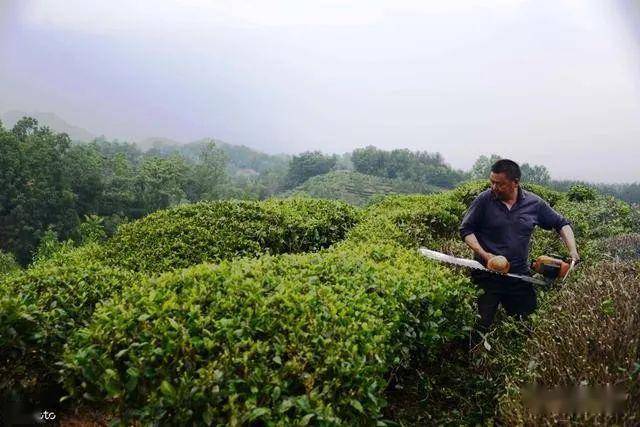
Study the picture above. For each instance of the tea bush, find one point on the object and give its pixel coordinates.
(410, 220)
(213, 231)
(625, 247)
(581, 193)
(588, 335)
(289, 339)
(591, 220)
(7, 263)
(39, 309)
(356, 188)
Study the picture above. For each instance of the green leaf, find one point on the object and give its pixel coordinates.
(306, 419)
(258, 412)
(167, 389)
(356, 404)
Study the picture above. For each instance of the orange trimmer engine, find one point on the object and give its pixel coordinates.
(550, 267)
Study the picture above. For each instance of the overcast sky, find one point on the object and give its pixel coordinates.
(553, 82)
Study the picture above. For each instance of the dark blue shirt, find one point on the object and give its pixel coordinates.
(507, 232)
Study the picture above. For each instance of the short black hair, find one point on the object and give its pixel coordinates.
(508, 167)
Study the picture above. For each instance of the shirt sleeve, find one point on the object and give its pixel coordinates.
(472, 218)
(549, 219)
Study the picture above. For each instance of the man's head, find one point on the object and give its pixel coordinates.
(504, 177)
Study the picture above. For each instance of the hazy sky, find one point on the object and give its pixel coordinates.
(553, 82)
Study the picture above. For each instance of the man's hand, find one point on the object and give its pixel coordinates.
(487, 256)
(575, 257)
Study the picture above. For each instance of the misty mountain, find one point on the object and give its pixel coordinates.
(52, 120)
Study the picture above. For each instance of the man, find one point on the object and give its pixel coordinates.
(500, 221)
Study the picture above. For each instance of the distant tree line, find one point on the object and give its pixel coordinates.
(51, 185)
(630, 193)
(51, 188)
(535, 174)
(418, 166)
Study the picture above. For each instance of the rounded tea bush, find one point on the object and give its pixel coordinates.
(39, 309)
(581, 193)
(283, 340)
(212, 231)
(410, 220)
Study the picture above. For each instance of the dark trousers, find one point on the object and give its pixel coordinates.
(518, 298)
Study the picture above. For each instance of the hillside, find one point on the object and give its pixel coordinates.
(356, 188)
(51, 120)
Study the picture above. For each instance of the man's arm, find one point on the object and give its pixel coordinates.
(550, 219)
(470, 224)
(566, 234)
(472, 242)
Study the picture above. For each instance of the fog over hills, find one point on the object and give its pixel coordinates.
(51, 120)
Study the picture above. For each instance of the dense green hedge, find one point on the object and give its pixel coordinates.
(279, 339)
(39, 309)
(213, 231)
(410, 220)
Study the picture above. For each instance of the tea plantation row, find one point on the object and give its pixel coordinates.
(289, 338)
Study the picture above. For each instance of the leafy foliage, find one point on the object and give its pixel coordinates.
(628, 192)
(39, 309)
(36, 187)
(307, 165)
(591, 221)
(420, 166)
(356, 188)
(410, 220)
(285, 339)
(531, 174)
(588, 334)
(625, 247)
(213, 231)
(7, 263)
(581, 193)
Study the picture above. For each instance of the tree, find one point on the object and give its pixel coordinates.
(370, 161)
(84, 164)
(482, 167)
(36, 187)
(535, 174)
(119, 187)
(416, 166)
(308, 164)
(161, 183)
(208, 177)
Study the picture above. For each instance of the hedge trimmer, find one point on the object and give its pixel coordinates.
(549, 268)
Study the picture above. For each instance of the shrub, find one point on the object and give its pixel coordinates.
(625, 247)
(581, 193)
(357, 188)
(7, 263)
(410, 220)
(276, 340)
(592, 220)
(213, 231)
(588, 335)
(39, 308)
